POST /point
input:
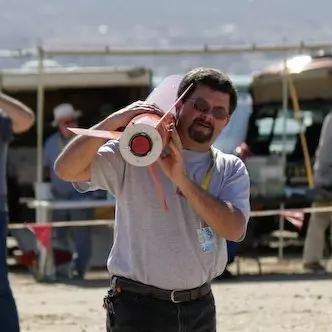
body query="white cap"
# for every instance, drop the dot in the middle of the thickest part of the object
(64, 111)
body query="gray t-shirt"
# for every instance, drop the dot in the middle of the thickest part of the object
(157, 247)
(6, 134)
(323, 162)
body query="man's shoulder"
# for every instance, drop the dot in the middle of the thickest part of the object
(328, 121)
(110, 148)
(230, 166)
(328, 116)
(228, 159)
(111, 144)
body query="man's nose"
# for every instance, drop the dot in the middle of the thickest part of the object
(207, 116)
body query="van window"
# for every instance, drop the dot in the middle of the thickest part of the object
(268, 132)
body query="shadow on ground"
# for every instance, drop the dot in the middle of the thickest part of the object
(95, 279)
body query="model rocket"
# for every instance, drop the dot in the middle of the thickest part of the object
(147, 135)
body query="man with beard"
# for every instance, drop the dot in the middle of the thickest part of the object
(162, 263)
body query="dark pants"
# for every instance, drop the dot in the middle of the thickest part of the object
(8, 313)
(231, 251)
(131, 312)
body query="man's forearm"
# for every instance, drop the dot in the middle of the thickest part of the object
(74, 161)
(226, 220)
(21, 115)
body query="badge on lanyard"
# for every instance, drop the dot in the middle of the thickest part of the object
(207, 240)
(206, 235)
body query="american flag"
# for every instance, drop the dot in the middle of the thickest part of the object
(294, 217)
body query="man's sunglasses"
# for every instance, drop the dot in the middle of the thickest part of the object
(203, 106)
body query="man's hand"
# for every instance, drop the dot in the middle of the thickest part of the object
(126, 114)
(173, 163)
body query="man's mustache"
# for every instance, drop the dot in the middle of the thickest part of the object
(203, 123)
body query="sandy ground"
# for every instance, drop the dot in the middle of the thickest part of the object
(282, 299)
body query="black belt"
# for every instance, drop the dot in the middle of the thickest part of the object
(120, 284)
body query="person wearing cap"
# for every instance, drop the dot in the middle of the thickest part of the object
(15, 118)
(162, 262)
(66, 116)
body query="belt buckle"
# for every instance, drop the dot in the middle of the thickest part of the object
(172, 297)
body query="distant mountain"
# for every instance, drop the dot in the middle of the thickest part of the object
(164, 24)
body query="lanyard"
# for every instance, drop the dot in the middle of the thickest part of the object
(207, 177)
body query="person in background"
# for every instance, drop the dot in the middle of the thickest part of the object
(15, 118)
(66, 116)
(319, 222)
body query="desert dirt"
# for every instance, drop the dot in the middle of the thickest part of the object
(283, 298)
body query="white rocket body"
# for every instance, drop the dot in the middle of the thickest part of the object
(141, 143)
